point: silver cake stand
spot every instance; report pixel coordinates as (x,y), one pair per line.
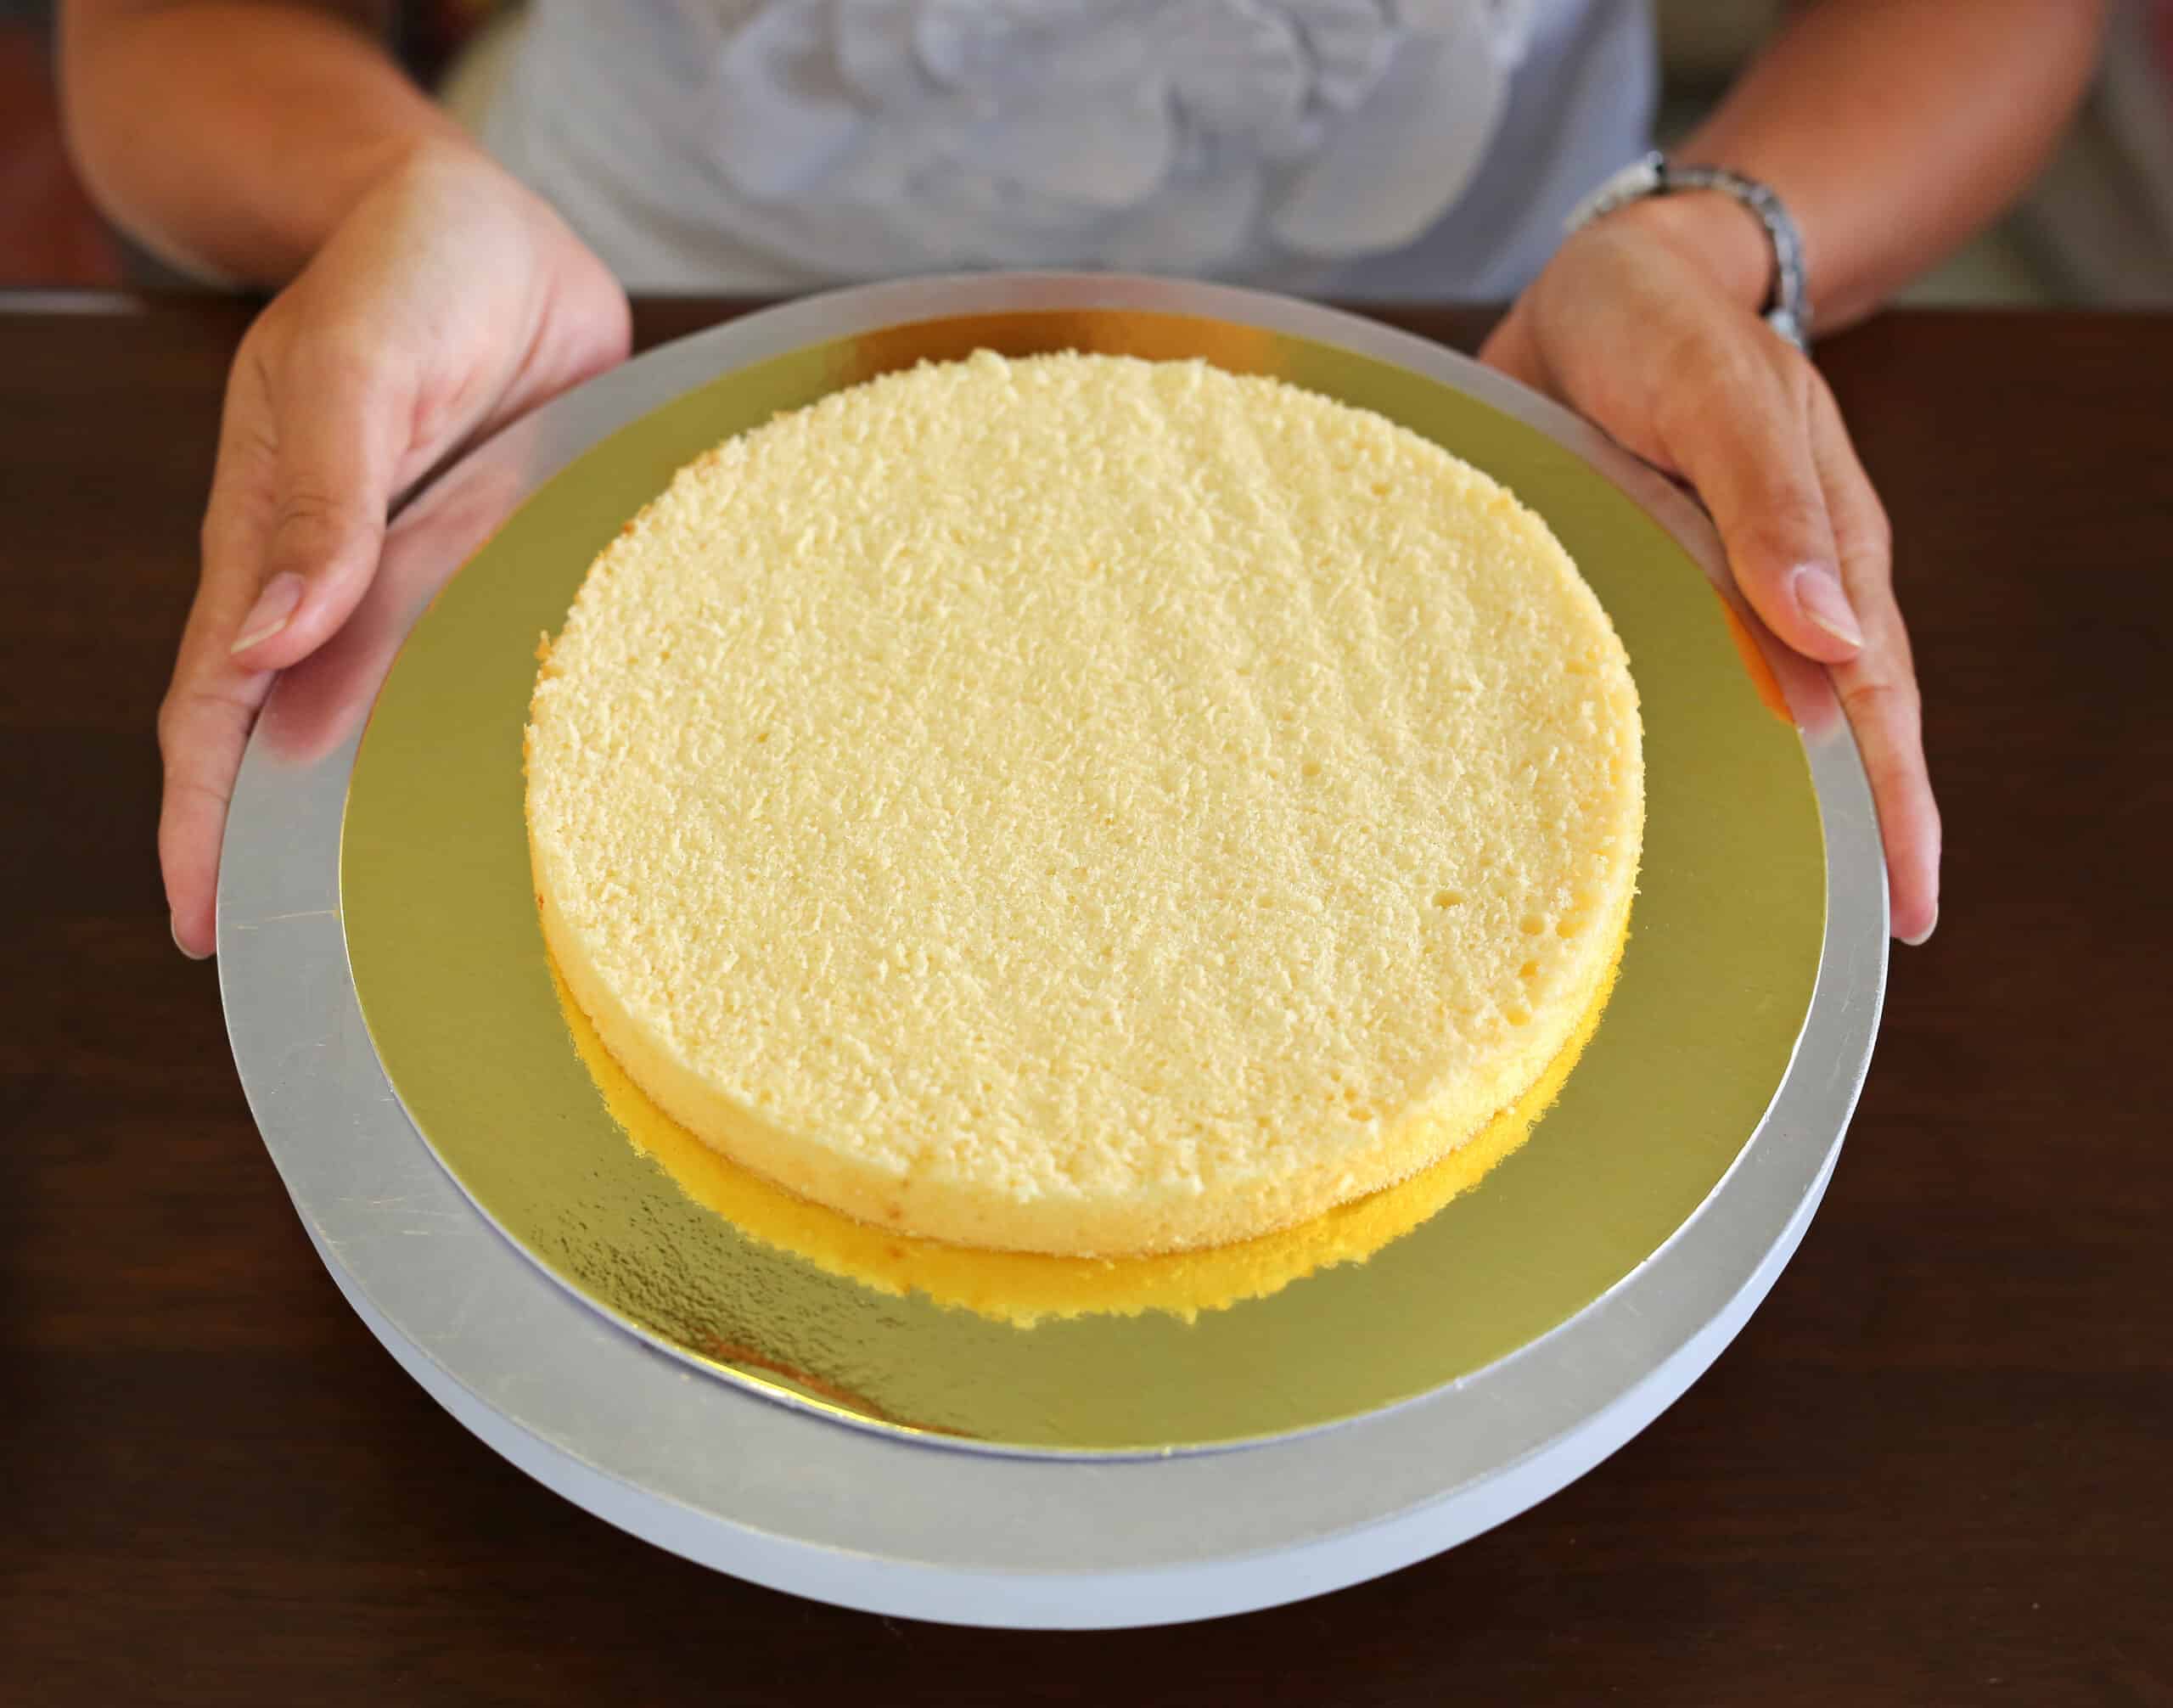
(789,1498)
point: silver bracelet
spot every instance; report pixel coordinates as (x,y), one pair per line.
(1788,303)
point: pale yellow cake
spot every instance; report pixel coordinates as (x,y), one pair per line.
(1084,806)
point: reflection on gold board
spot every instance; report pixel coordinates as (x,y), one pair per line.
(449,963)
(1023,1288)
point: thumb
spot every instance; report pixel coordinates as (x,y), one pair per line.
(290,541)
(1743,438)
(335,452)
(1511,349)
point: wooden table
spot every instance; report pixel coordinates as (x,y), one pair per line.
(1923,1474)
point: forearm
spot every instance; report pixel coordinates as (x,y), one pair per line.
(1894,130)
(231,139)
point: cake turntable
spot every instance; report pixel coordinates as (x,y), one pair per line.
(878,1429)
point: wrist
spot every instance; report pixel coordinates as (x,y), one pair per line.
(417,154)
(1713,232)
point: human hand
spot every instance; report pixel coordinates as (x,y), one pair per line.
(449,301)
(1642,322)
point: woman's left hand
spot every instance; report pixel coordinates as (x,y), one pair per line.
(1642,323)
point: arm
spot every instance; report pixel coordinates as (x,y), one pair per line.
(1893,129)
(427,300)
(230,139)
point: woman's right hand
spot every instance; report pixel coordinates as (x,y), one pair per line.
(449,301)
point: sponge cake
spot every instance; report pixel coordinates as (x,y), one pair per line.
(1084,806)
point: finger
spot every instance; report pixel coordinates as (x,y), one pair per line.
(1739,432)
(290,538)
(204,719)
(1511,348)
(203,728)
(1878,687)
(338,433)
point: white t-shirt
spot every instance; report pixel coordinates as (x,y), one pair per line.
(1410,149)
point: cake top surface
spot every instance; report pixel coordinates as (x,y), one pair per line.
(1079,774)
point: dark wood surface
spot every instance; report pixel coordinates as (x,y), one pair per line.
(1932,1469)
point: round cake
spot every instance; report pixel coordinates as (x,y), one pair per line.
(1082,804)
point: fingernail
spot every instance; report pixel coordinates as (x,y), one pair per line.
(1925,936)
(173,926)
(274,606)
(1819,596)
